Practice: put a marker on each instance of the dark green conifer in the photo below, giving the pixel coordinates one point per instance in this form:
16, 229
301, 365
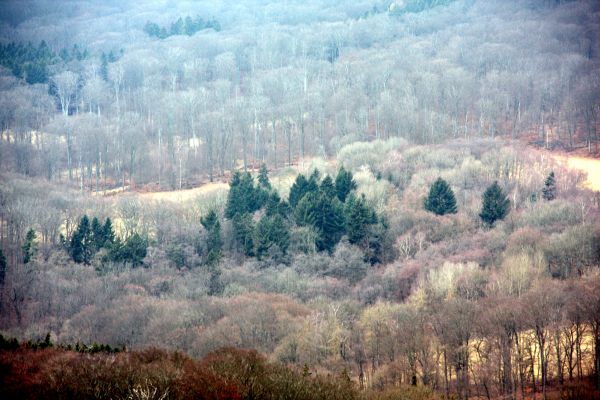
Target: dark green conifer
298, 190
358, 218
243, 228
81, 242
495, 204
271, 231
97, 234
213, 240
275, 206
2, 268
263, 177
108, 232
327, 187
29, 247
344, 184
549, 190
441, 198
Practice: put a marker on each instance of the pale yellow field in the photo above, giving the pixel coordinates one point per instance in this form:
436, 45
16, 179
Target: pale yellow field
180, 196
591, 166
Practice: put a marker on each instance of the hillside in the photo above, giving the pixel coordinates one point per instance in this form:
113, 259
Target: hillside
300, 199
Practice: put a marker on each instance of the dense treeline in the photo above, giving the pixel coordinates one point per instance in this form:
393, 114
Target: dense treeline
32, 64
283, 82
457, 303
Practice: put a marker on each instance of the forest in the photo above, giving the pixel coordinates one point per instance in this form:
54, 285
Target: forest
301, 199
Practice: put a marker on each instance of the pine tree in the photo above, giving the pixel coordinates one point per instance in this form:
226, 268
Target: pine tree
243, 197
97, 234
29, 247
2, 268
441, 198
81, 242
495, 204
275, 206
344, 184
329, 222
213, 241
358, 218
104, 67
271, 231
298, 190
243, 228
327, 187
263, 177
549, 190
108, 233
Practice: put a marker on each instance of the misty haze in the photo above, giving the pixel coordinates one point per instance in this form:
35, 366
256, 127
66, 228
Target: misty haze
317, 199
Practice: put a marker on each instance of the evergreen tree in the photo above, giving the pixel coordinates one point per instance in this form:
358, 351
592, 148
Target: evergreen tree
298, 190
327, 187
132, 251
213, 240
243, 197
275, 206
2, 268
271, 231
215, 285
325, 215
81, 242
263, 177
441, 198
358, 218
344, 184
29, 247
243, 227
495, 204
313, 181
549, 190
97, 234
104, 67
329, 223
108, 233
305, 211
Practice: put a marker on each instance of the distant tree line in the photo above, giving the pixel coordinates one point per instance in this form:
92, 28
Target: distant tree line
187, 26
31, 63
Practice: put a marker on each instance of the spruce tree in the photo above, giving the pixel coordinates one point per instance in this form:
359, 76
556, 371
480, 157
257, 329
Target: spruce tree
98, 238
2, 268
344, 184
263, 177
275, 206
441, 198
213, 240
243, 197
327, 187
549, 190
29, 247
298, 190
358, 218
134, 250
495, 204
81, 242
243, 228
271, 231
108, 232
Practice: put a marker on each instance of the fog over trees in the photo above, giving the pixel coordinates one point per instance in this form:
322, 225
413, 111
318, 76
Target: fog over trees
367, 190
274, 82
